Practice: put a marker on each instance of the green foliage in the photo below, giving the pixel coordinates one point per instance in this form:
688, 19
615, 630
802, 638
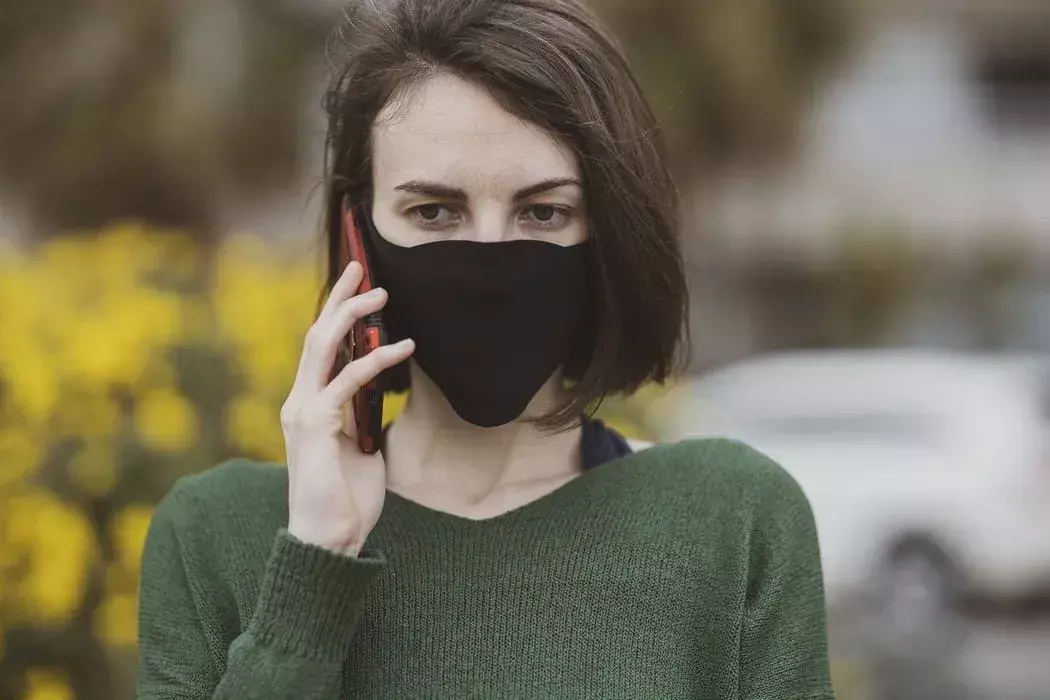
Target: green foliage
155, 109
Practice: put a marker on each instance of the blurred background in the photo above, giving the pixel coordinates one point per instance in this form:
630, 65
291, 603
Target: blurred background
867, 189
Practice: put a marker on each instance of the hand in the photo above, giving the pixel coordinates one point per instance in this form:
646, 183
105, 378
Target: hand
335, 491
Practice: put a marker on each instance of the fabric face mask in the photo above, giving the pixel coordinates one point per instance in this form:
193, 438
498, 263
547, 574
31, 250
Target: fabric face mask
492, 321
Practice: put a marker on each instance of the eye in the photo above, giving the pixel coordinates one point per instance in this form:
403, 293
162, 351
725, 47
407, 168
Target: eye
543, 212
546, 216
429, 212
433, 216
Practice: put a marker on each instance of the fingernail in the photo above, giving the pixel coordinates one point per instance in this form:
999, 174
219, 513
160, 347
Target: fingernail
376, 292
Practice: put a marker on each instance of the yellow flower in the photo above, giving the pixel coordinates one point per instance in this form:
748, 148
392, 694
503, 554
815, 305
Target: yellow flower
158, 373
116, 619
263, 305
47, 684
64, 258
94, 467
112, 344
166, 421
89, 414
254, 424
393, 404
119, 579
269, 367
30, 377
20, 454
128, 534
57, 544
127, 249
197, 322
637, 415
182, 256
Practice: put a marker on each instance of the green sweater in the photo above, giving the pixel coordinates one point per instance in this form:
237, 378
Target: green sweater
688, 570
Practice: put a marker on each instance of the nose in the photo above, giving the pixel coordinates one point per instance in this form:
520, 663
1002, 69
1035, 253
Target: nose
492, 224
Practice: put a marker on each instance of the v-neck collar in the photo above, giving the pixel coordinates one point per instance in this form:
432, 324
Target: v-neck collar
599, 444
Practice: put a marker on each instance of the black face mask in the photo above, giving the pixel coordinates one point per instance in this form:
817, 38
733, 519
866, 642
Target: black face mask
492, 321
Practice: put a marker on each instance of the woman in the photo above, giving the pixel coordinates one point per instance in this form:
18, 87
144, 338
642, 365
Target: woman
500, 544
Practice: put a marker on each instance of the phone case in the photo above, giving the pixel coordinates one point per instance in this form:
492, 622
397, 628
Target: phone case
366, 335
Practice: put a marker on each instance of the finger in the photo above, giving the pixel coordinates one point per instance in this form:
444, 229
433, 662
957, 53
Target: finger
328, 333
359, 372
344, 288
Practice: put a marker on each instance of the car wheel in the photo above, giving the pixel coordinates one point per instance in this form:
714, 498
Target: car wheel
915, 594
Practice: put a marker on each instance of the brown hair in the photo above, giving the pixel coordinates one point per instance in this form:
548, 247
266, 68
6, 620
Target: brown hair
551, 63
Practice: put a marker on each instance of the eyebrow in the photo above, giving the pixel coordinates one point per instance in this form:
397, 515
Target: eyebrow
439, 191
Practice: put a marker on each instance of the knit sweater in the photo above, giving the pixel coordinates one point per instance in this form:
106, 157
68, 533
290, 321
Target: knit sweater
687, 570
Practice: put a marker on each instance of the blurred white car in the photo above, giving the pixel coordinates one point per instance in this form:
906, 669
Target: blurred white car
927, 471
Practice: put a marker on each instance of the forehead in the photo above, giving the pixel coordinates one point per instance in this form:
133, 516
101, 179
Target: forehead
451, 130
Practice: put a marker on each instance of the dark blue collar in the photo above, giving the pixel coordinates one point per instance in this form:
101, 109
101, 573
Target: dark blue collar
600, 444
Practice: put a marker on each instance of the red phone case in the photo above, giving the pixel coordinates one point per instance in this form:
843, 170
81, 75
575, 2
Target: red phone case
366, 335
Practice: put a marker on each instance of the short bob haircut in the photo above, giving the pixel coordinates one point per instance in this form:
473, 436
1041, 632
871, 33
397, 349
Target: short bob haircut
550, 63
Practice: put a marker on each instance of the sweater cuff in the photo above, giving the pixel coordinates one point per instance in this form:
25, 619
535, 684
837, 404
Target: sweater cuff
310, 598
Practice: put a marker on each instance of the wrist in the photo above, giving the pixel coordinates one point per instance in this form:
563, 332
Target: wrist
348, 546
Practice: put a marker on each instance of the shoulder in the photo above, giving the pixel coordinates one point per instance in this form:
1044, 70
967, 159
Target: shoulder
209, 540
233, 481
719, 458
722, 470
240, 491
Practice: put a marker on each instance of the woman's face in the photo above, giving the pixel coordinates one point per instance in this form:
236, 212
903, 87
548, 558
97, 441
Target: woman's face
450, 163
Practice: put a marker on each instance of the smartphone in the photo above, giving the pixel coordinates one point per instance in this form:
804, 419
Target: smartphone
367, 333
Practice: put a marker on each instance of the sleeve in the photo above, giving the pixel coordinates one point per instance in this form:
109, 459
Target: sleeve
308, 606
783, 640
